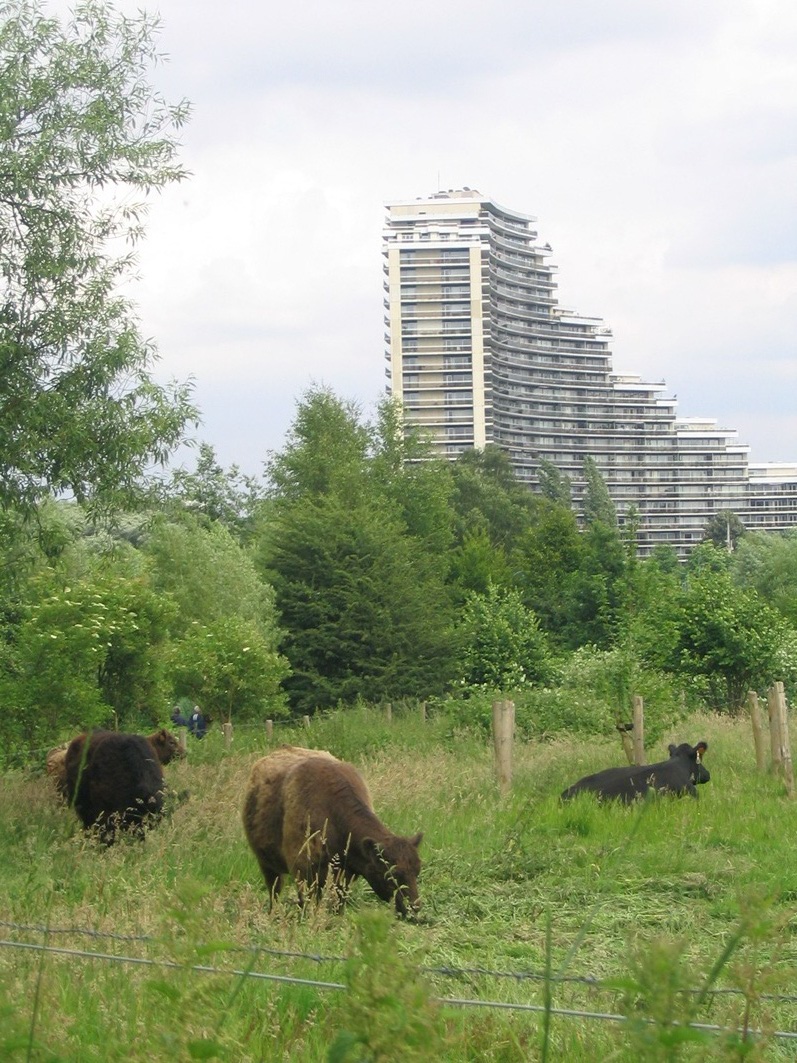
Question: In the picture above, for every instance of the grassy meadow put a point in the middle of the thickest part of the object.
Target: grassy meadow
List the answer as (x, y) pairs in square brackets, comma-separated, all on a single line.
[(666, 913)]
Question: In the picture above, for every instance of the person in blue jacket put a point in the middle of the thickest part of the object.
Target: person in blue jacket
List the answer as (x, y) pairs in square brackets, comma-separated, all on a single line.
[(177, 717), (196, 723)]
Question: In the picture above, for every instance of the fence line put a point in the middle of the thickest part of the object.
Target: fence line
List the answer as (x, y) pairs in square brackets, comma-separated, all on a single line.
[(574, 1013), (445, 971), (145, 961)]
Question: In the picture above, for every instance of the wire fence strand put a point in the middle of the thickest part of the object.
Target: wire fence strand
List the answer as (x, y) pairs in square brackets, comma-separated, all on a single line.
[(291, 980)]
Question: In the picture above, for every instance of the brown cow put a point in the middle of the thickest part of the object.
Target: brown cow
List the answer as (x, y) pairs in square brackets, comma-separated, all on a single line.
[(115, 780), (55, 767), (165, 744), (307, 813)]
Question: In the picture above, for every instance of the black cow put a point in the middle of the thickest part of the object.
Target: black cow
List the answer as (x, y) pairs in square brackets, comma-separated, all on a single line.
[(115, 782), (678, 775)]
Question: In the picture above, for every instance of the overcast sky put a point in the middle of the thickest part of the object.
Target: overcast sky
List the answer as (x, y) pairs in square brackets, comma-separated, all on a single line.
[(655, 141)]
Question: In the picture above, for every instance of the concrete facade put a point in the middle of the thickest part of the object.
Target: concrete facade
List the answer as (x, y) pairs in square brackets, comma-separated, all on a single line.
[(478, 351)]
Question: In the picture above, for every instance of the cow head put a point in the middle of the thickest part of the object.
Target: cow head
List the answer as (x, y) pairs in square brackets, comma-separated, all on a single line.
[(166, 745), (392, 869), (694, 755)]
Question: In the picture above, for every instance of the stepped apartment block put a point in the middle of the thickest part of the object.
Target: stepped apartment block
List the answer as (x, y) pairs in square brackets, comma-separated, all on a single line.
[(479, 351)]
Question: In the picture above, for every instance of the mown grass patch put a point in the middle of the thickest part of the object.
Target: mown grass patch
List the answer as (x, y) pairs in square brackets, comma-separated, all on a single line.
[(628, 908)]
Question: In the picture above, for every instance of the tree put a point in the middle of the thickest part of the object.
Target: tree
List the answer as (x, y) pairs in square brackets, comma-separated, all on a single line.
[(325, 449), (85, 654), (209, 575), (597, 502), (356, 569), (82, 133), (477, 563), (503, 646), (227, 496), (727, 640), (230, 668), (724, 529), (554, 485), (487, 495), (768, 563), (420, 485), (365, 615), (548, 555)]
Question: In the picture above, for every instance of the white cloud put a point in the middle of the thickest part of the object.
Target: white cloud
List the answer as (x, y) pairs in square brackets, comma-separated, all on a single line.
[(655, 142)]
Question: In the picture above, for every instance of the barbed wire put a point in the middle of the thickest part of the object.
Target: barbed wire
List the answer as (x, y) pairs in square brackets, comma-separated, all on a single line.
[(446, 971), (575, 1013)]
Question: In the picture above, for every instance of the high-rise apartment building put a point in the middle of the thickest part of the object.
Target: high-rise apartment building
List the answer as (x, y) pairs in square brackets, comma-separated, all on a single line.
[(479, 352)]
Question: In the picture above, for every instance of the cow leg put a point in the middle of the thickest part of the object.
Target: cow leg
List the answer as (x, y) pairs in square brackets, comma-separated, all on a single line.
[(272, 876), (310, 880)]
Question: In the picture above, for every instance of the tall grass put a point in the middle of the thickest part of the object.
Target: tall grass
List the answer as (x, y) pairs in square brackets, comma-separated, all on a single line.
[(643, 912)]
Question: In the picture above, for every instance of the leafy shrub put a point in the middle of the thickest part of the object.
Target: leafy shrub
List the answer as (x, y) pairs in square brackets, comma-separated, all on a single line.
[(593, 693), (502, 641), (231, 668)]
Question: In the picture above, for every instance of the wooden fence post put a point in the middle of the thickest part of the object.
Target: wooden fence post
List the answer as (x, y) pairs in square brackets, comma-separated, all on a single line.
[(389, 712), (227, 731), (503, 733), (639, 730), (758, 730), (269, 730), (774, 729), (306, 722), (625, 738), (423, 712), (182, 740), (785, 741)]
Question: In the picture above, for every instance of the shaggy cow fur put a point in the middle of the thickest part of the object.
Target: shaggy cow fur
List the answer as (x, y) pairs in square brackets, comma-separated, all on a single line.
[(310, 815), (166, 746), (678, 775), (114, 781), (55, 766)]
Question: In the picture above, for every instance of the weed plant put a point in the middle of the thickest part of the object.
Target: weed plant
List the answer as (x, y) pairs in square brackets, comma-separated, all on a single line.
[(672, 920)]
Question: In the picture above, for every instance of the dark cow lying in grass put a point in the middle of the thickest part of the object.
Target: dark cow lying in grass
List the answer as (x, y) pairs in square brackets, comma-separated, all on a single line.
[(115, 781), (678, 775), (309, 815)]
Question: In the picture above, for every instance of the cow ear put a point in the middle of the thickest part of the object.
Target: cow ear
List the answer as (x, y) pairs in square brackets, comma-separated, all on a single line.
[(370, 848), (416, 841), (671, 749)]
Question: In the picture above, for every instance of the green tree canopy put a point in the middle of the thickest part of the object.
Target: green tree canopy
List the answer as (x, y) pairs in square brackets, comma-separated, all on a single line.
[(88, 653), (503, 646), (83, 138), (230, 668), (476, 564), (208, 574), (357, 569), (554, 485), (597, 503), (724, 529), (768, 563), (226, 496), (548, 553), (725, 639), (487, 495)]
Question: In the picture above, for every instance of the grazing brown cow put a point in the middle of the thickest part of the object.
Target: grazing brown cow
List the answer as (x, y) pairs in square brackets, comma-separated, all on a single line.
[(307, 814), (115, 781)]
